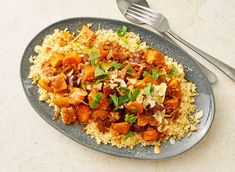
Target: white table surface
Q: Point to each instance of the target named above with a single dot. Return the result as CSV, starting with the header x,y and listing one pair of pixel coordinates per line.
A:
x,y
27,143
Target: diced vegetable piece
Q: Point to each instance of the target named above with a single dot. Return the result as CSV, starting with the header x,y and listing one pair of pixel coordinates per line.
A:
x,y
154,56
150,135
88,73
171,103
66,38
122,127
174,89
103,50
45,85
72,58
140,84
58,83
142,120
62,101
174,84
91,96
83,113
56,59
135,105
77,95
87,36
104,103
148,79
99,114
68,115
146,119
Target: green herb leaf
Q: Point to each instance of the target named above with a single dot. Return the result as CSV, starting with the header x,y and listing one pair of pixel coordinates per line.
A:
x,y
132,96
173,71
121,31
114,98
100,72
130,118
134,111
145,73
93,56
101,78
122,99
123,90
128,70
155,74
116,65
96,100
148,89
118,101
128,135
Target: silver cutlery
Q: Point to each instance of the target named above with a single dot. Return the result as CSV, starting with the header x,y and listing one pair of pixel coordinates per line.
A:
x,y
123,5
159,22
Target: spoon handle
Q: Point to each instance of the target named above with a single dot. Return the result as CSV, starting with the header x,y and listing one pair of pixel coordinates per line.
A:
x,y
229,71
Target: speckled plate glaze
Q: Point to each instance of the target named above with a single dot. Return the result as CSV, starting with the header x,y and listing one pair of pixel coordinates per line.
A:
x,y
205,100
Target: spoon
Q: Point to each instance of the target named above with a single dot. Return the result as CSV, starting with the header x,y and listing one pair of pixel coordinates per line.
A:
x,y
123,5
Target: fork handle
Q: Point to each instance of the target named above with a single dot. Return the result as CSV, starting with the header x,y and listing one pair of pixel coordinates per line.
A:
x,y
229,71
209,74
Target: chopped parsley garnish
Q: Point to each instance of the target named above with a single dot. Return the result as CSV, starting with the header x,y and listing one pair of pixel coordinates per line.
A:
x,y
96,100
114,98
155,74
100,72
118,101
124,90
116,65
128,70
132,96
112,65
173,71
122,99
145,73
130,118
93,56
148,89
121,31
127,95
101,78
128,135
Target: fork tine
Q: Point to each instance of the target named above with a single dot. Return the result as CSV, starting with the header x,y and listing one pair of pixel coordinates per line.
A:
x,y
144,8
140,14
139,17
144,11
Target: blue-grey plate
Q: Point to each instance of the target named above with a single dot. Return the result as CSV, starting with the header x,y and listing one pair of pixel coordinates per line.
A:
x,y
205,100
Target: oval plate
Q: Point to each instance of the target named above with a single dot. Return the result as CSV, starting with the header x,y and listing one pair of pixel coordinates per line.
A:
x,y
205,100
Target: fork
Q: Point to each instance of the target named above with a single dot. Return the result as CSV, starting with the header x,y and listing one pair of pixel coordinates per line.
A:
x,y
160,23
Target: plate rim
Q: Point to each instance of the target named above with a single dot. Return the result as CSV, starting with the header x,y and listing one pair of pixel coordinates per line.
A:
x,y
212,97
